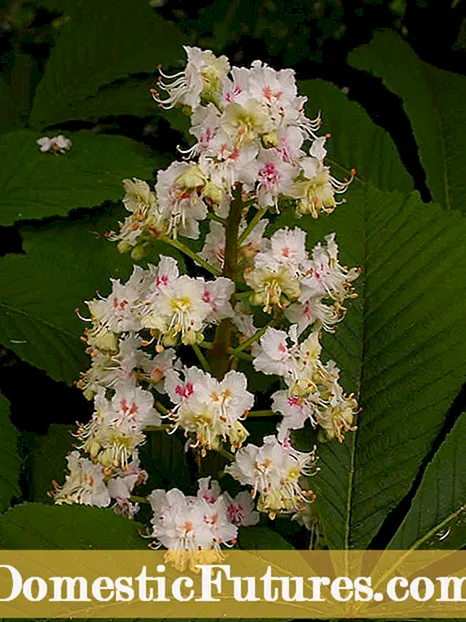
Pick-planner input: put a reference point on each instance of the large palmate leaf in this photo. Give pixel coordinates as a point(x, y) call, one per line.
point(434, 102)
point(97, 46)
point(356, 141)
point(10, 462)
point(35, 185)
point(36, 526)
point(437, 514)
point(402, 346)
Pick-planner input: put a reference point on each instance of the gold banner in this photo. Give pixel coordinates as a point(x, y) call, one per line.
point(238, 584)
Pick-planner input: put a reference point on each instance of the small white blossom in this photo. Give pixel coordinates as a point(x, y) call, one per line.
point(273, 472)
point(200, 78)
point(190, 526)
point(84, 484)
point(211, 410)
point(56, 144)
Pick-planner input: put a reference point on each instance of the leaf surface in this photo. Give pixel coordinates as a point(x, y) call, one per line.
point(401, 346)
point(35, 185)
point(434, 102)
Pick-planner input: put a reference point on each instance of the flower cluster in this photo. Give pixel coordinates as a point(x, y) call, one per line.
point(275, 472)
point(210, 409)
point(187, 525)
point(172, 307)
point(176, 352)
point(284, 273)
point(314, 393)
point(250, 128)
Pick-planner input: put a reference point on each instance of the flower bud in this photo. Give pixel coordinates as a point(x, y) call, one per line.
point(213, 192)
point(192, 178)
point(138, 252)
point(124, 246)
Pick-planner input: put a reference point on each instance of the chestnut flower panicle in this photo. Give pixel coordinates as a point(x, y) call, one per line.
point(246, 299)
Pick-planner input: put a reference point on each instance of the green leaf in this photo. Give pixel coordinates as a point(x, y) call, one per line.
point(97, 46)
point(35, 185)
point(8, 114)
point(401, 346)
point(47, 460)
point(437, 513)
point(356, 141)
point(261, 538)
point(130, 96)
point(164, 458)
point(64, 265)
point(35, 526)
point(10, 462)
point(434, 102)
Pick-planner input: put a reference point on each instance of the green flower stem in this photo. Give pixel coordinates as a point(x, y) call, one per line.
point(189, 253)
point(226, 454)
point(158, 428)
point(241, 355)
point(161, 408)
point(135, 499)
point(202, 359)
point(257, 335)
point(261, 414)
point(212, 216)
point(252, 225)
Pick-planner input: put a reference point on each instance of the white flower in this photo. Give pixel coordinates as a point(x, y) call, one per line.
point(56, 144)
point(117, 312)
point(227, 162)
point(243, 320)
point(108, 369)
point(273, 286)
point(241, 509)
point(217, 294)
point(121, 486)
point(276, 90)
point(275, 177)
point(326, 276)
point(179, 193)
point(273, 471)
point(138, 197)
point(287, 248)
point(116, 428)
point(209, 489)
point(273, 355)
point(157, 367)
point(187, 525)
point(204, 124)
point(296, 410)
point(246, 122)
point(313, 310)
point(236, 90)
point(84, 485)
point(134, 406)
point(210, 409)
point(213, 250)
point(179, 310)
point(201, 77)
